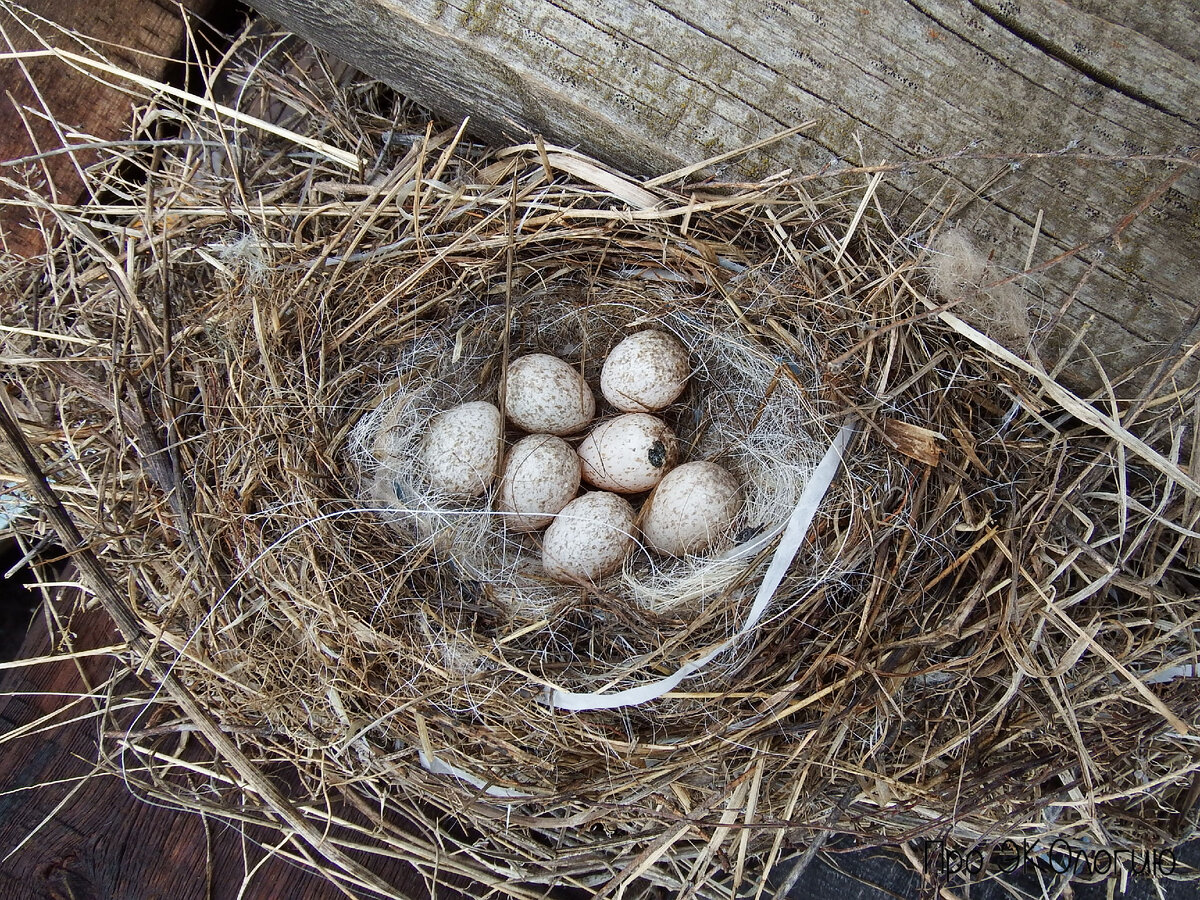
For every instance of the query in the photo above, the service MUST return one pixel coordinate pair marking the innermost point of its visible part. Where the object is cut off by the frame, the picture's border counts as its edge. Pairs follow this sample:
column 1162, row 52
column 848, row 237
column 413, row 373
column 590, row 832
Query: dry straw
column 987, row 633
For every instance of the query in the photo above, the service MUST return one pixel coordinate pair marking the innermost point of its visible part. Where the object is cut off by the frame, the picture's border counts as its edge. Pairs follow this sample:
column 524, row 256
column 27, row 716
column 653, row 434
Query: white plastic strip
column 1188, row 670
column 789, row 544
column 435, row 766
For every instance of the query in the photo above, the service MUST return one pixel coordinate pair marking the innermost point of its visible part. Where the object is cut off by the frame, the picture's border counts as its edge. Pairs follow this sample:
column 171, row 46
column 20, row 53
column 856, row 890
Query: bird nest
column 961, row 603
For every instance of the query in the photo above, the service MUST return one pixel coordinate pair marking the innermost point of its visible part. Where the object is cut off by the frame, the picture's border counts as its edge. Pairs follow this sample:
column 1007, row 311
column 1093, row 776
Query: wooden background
column 1102, row 87
column 140, row 35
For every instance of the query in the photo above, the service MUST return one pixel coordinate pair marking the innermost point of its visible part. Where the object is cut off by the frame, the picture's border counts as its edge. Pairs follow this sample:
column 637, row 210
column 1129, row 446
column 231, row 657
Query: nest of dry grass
column 988, row 632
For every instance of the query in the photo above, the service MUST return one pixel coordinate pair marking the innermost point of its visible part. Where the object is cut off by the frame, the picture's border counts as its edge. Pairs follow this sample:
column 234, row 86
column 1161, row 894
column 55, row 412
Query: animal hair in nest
column 985, row 635
column 987, row 298
column 741, row 410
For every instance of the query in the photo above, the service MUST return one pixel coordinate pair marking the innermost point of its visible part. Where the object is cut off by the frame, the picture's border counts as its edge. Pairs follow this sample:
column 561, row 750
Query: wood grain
column 652, row 86
column 43, row 100
column 91, row 837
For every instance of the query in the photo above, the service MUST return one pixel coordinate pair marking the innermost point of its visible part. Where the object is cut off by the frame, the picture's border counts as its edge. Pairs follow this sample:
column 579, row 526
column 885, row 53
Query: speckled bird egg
column 460, row 448
column 539, row 477
column 645, row 372
column 692, row 508
column 629, row 453
column 544, row 395
column 589, row 538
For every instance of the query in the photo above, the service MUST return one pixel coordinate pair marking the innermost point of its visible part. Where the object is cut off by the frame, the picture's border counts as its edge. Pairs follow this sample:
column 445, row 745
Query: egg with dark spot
column 629, row 453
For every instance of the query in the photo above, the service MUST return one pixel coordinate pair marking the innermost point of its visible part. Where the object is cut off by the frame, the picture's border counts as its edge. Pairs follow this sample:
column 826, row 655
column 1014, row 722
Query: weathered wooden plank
column 98, row 840
column 142, row 36
column 1103, row 88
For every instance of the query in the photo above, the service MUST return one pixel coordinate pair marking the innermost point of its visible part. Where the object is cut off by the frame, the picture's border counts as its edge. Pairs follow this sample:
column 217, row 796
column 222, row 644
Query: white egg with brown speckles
column 629, row 453
column 589, row 538
column 459, row 450
column 646, row 372
column 692, row 509
column 544, row 395
column 540, row 476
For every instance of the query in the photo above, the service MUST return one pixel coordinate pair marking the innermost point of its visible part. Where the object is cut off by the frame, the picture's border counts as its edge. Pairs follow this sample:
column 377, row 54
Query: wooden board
column 1100, row 87
column 43, row 100
column 90, row 836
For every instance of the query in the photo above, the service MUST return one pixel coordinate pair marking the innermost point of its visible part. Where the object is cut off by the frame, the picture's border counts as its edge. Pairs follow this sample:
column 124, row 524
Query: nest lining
column 967, row 644
column 742, row 410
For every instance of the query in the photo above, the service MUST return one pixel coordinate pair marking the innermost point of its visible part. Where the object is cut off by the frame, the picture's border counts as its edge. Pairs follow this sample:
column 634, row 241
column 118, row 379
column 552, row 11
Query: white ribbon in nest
column 794, row 534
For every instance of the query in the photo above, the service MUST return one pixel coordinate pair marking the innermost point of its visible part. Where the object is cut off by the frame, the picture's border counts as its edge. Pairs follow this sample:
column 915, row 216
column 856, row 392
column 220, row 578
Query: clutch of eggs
column 691, row 506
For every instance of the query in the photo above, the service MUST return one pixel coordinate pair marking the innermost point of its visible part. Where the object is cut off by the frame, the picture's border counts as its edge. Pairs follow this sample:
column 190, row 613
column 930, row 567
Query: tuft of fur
column 959, row 271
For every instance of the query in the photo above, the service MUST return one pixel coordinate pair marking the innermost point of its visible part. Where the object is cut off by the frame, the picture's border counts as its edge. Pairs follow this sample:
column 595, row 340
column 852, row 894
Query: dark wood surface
column 82, row 834
column 139, row 35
